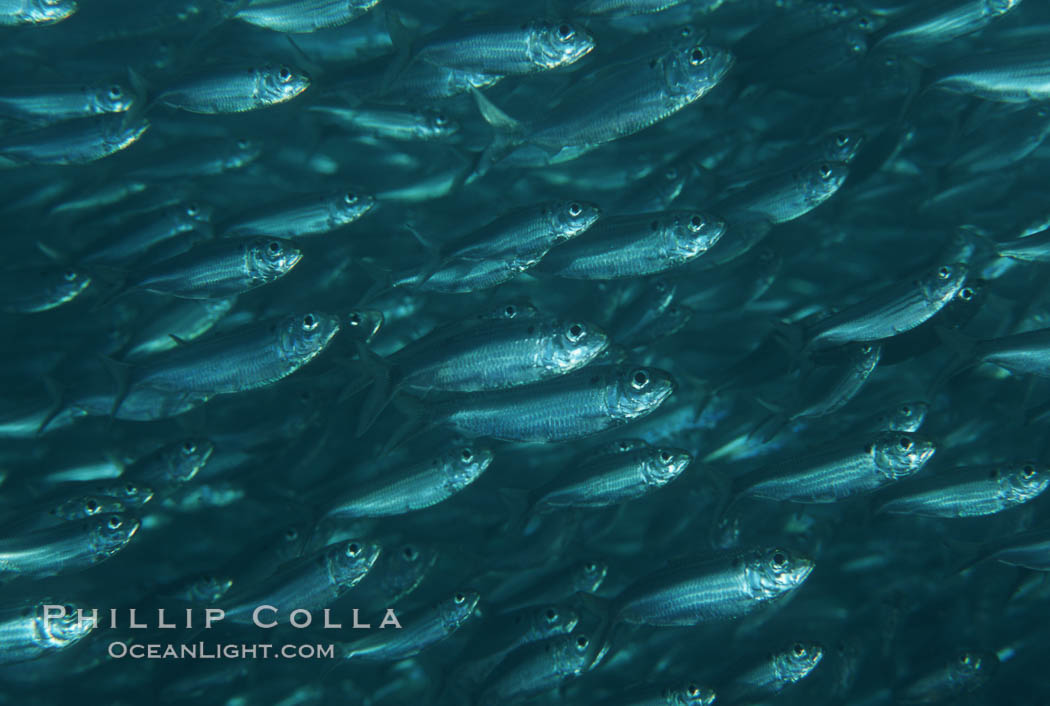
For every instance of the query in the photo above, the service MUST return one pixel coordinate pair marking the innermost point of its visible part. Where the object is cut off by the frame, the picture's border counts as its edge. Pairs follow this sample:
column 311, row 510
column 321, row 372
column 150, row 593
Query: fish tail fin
column 415, row 424
column 384, row 384
column 382, row 281
column 964, row 348
column 963, row 555
column 509, row 133
column 56, row 393
column 121, row 379
column 403, row 40
column 772, row 425
column 725, row 497
column 520, row 508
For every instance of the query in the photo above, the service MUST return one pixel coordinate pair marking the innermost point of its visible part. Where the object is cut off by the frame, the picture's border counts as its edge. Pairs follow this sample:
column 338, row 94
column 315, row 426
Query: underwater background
column 607, row 352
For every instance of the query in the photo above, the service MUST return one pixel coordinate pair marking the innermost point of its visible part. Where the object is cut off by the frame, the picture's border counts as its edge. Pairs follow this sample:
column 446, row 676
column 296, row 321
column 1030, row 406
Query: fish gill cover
column 580, row 352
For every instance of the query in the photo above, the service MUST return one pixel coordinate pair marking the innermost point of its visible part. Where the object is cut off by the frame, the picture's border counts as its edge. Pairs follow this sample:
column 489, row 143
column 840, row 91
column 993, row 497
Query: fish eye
column 904, row 443
column 189, row 447
column 69, row 275
column 693, row 690
column 590, row 567
column 467, row 455
column 551, row 614
column 459, row 598
column 780, row 560
column 944, row 272
column 864, row 23
column 582, row 642
column 114, row 523
column 654, row 226
column 905, row 410
column 639, row 379
column 510, row 312
column 836, row 9
column 350, row 197
column 291, row 534
column 410, row 553
column 965, row 658
column 91, row 506
column 115, row 92
column 274, row 247
column 309, row 322
column 665, row 457
column 686, row 31
column 353, row 549
column 1028, row 472
column 575, row 209
column 696, row 222
column 284, row 74
column 842, row 139
column 130, row 489
column 575, row 333
column 440, row 120
column 192, row 209
column 825, row 171
column 242, row 144
column 966, row 294
column 565, row 32
column 697, row 56
column 355, row 319
column 798, row 649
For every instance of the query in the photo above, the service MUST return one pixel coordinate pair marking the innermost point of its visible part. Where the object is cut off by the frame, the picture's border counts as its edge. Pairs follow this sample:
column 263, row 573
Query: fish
column 234, row 90
column 968, row 492
column 296, row 16
column 31, row 630
column 36, row 12
column 312, row 215
column 433, row 625
column 65, row 548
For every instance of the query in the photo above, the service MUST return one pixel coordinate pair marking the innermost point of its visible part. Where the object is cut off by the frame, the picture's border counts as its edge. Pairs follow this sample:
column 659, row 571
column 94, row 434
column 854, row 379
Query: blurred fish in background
column 608, row 352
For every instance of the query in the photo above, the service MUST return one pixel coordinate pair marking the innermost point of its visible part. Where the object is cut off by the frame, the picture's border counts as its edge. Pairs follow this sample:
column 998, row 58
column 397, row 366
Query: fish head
column 110, row 533
column 123, row 131
column 364, row 323
column 622, row 446
column 272, row 258
column 664, row 465
column 436, row 125
column 693, row 70
column 114, row 98
column 589, row 575
column 194, row 212
column 43, row 11
column 131, row 495
column 456, row 610
column 818, row 181
column 693, row 233
column 550, row 620
column 411, row 559
column 970, row 668
column 866, row 357
column 466, row 462
column 242, row 152
column 350, row 561
column 774, row 570
column 187, row 457
column 842, row 145
column 552, row 45
column 907, row 416
column 570, row 218
column 999, row 7
column 63, row 630
column 900, row 453
column 571, row 345
column 350, row 205
column 303, row 336
column 86, row 506
column 281, row 83
column 689, row 694
column 943, row 282
column 63, row 284
column 209, row 588
column 641, row 390
column 512, row 310
column 1025, row 480
column 797, row 661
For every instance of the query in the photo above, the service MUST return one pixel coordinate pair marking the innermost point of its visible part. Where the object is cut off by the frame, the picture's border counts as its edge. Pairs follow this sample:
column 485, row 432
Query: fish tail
column 772, row 425
column 403, row 40
column 964, row 348
column 119, row 372
column 415, row 424
column 963, row 555
column 382, row 281
column 384, row 384
column 509, row 133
